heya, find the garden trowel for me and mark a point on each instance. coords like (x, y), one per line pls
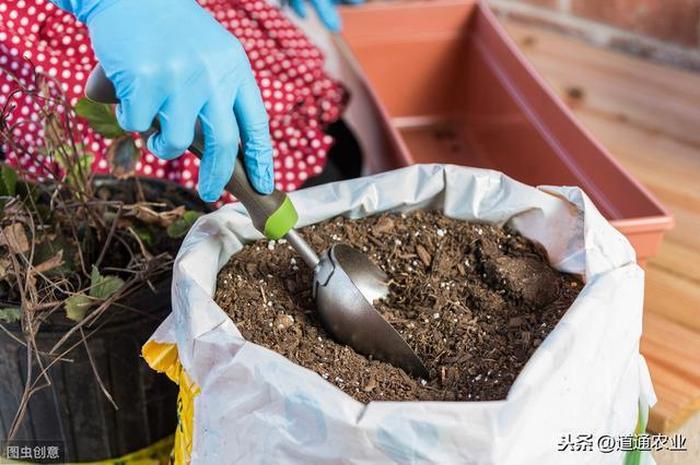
(346, 283)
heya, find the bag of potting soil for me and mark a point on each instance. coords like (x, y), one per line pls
(241, 403)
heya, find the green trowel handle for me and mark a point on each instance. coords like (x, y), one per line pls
(273, 215)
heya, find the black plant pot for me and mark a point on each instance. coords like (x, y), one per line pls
(73, 411)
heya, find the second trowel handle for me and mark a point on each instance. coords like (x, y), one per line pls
(273, 215)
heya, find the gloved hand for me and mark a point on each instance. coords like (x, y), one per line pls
(325, 9)
(171, 59)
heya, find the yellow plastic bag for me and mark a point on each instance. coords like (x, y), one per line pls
(164, 359)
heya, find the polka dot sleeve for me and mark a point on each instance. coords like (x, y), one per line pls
(300, 98)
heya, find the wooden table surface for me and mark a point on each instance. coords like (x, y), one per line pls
(648, 116)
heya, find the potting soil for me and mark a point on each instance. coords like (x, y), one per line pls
(473, 300)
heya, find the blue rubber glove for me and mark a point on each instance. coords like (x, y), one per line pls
(325, 9)
(173, 60)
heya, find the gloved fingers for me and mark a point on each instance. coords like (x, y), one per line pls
(138, 106)
(221, 138)
(298, 7)
(350, 2)
(327, 13)
(177, 120)
(255, 134)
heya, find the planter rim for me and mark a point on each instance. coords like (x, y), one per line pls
(142, 292)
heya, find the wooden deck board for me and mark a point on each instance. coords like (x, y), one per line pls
(673, 346)
(648, 117)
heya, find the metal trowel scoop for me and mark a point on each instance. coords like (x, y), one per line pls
(346, 282)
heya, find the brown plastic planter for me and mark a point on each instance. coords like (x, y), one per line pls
(451, 87)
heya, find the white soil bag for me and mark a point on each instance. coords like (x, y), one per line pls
(587, 377)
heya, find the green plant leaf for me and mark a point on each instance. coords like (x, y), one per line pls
(102, 287)
(77, 306)
(123, 156)
(180, 227)
(10, 314)
(191, 216)
(77, 168)
(145, 234)
(100, 117)
(8, 181)
(77, 175)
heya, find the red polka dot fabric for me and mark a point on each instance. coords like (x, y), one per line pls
(299, 97)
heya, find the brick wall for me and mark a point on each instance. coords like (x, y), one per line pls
(664, 30)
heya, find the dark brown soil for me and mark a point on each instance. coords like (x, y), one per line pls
(473, 300)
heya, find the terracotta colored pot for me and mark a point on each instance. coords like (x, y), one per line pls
(452, 87)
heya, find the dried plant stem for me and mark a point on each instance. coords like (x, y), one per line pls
(110, 235)
(97, 373)
(25, 396)
(64, 215)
